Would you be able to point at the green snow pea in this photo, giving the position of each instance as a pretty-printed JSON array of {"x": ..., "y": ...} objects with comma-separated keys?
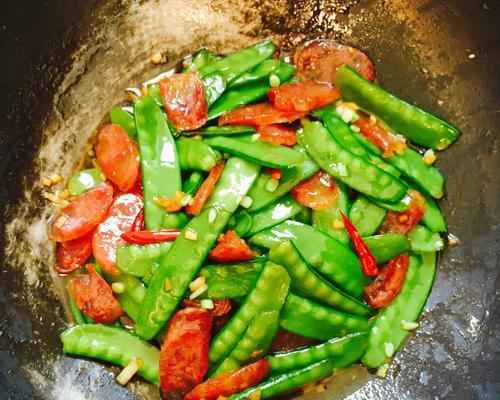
[
  {"x": 137, "y": 260},
  {"x": 133, "y": 295},
  {"x": 268, "y": 295},
  {"x": 181, "y": 264},
  {"x": 323, "y": 219},
  {"x": 77, "y": 314},
  {"x": 347, "y": 167},
  {"x": 387, "y": 331},
  {"x": 214, "y": 85},
  {"x": 161, "y": 175},
  {"x": 84, "y": 180},
  {"x": 260, "y": 72},
  {"x": 289, "y": 381},
  {"x": 229, "y": 281},
  {"x": 387, "y": 246},
  {"x": 227, "y": 130},
  {"x": 366, "y": 216},
  {"x": 200, "y": 59},
  {"x": 123, "y": 118},
  {"x": 304, "y": 216},
  {"x": 193, "y": 183},
  {"x": 196, "y": 154},
  {"x": 253, "y": 344},
  {"x": 415, "y": 124},
  {"x": 311, "y": 285},
  {"x": 154, "y": 92},
  {"x": 114, "y": 345},
  {"x": 241, "y": 222},
  {"x": 331, "y": 259},
  {"x": 260, "y": 152},
  {"x": 306, "y": 318},
  {"x": 433, "y": 218},
  {"x": 343, "y": 351},
  {"x": 240, "y": 96},
  {"x": 259, "y": 192},
  {"x": 423, "y": 240},
  {"x": 176, "y": 220}
]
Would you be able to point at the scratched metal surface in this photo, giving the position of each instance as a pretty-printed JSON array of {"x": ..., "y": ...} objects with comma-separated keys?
[{"x": 64, "y": 65}]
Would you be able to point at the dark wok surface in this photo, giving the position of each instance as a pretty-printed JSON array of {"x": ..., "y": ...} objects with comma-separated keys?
[{"x": 64, "y": 64}]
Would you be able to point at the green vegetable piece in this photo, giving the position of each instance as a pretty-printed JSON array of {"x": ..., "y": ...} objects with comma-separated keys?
[
  {"x": 193, "y": 183},
  {"x": 306, "y": 318},
  {"x": 423, "y": 240},
  {"x": 196, "y": 154},
  {"x": 323, "y": 219},
  {"x": 345, "y": 166},
  {"x": 289, "y": 178},
  {"x": 113, "y": 345},
  {"x": 433, "y": 218},
  {"x": 399, "y": 206},
  {"x": 229, "y": 281},
  {"x": 200, "y": 59},
  {"x": 260, "y": 72},
  {"x": 310, "y": 284},
  {"x": 133, "y": 295},
  {"x": 214, "y": 85},
  {"x": 137, "y": 260},
  {"x": 159, "y": 161},
  {"x": 343, "y": 351},
  {"x": 415, "y": 124},
  {"x": 331, "y": 259},
  {"x": 260, "y": 152},
  {"x": 366, "y": 216},
  {"x": 227, "y": 130},
  {"x": 387, "y": 330},
  {"x": 268, "y": 295},
  {"x": 242, "y": 223},
  {"x": 387, "y": 246},
  {"x": 77, "y": 314},
  {"x": 289, "y": 381},
  {"x": 85, "y": 180},
  {"x": 176, "y": 220},
  {"x": 123, "y": 118}
]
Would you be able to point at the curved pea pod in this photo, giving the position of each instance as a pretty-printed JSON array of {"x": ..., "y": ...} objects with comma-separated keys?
[
  {"x": 176, "y": 220},
  {"x": 423, "y": 240},
  {"x": 268, "y": 295},
  {"x": 260, "y": 192},
  {"x": 306, "y": 318},
  {"x": 137, "y": 260},
  {"x": 387, "y": 331},
  {"x": 229, "y": 281},
  {"x": 433, "y": 218},
  {"x": 258, "y": 73},
  {"x": 343, "y": 351},
  {"x": 161, "y": 175},
  {"x": 415, "y": 124},
  {"x": 200, "y": 59},
  {"x": 214, "y": 85},
  {"x": 260, "y": 152},
  {"x": 366, "y": 216},
  {"x": 153, "y": 91},
  {"x": 387, "y": 246},
  {"x": 193, "y": 183},
  {"x": 126, "y": 120},
  {"x": 307, "y": 282},
  {"x": 324, "y": 220},
  {"x": 401, "y": 205},
  {"x": 338, "y": 263},
  {"x": 347, "y": 167},
  {"x": 113, "y": 345},
  {"x": 227, "y": 130},
  {"x": 241, "y": 222},
  {"x": 84, "y": 180},
  {"x": 196, "y": 154},
  {"x": 246, "y": 94},
  {"x": 253, "y": 344},
  {"x": 289, "y": 381},
  {"x": 131, "y": 298}
]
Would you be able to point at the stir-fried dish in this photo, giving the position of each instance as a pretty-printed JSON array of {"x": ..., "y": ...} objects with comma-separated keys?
[{"x": 247, "y": 226}]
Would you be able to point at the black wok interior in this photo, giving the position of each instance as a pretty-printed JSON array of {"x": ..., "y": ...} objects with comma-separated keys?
[{"x": 443, "y": 55}]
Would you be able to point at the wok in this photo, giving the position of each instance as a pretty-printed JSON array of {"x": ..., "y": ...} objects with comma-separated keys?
[{"x": 64, "y": 64}]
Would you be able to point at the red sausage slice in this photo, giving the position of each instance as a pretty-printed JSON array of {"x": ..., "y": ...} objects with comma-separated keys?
[
  {"x": 319, "y": 192},
  {"x": 404, "y": 221},
  {"x": 73, "y": 254},
  {"x": 278, "y": 134},
  {"x": 231, "y": 248},
  {"x": 259, "y": 114},
  {"x": 303, "y": 96},
  {"x": 288, "y": 341}
]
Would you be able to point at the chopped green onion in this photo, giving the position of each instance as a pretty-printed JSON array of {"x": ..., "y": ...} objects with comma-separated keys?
[
  {"x": 207, "y": 304},
  {"x": 198, "y": 292},
  {"x": 246, "y": 202},
  {"x": 274, "y": 81},
  {"x": 272, "y": 185}
]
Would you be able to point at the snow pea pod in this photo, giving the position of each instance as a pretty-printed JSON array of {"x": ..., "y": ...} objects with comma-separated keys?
[
  {"x": 176, "y": 220},
  {"x": 387, "y": 330},
  {"x": 331, "y": 259},
  {"x": 241, "y": 222},
  {"x": 268, "y": 295},
  {"x": 214, "y": 85},
  {"x": 259, "y": 72},
  {"x": 387, "y": 246},
  {"x": 253, "y": 344},
  {"x": 123, "y": 118},
  {"x": 114, "y": 345},
  {"x": 78, "y": 316},
  {"x": 200, "y": 59},
  {"x": 137, "y": 260},
  {"x": 366, "y": 216},
  {"x": 191, "y": 184},
  {"x": 289, "y": 381},
  {"x": 196, "y": 154},
  {"x": 401, "y": 205},
  {"x": 415, "y": 124},
  {"x": 181, "y": 264},
  {"x": 347, "y": 167},
  {"x": 306, "y": 318},
  {"x": 227, "y": 130},
  {"x": 261, "y": 197},
  {"x": 161, "y": 175},
  {"x": 84, "y": 180},
  {"x": 423, "y": 240},
  {"x": 311, "y": 285},
  {"x": 131, "y": 298},
  {"x": 323, "y": 220},
  {"x": 154, "y": 92},
  {"x": 240, "y": 96},
  {"x": 433, "y": 218},
  {"x": 260, "y": 152},
  {"x": 343, "y": 351}
]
